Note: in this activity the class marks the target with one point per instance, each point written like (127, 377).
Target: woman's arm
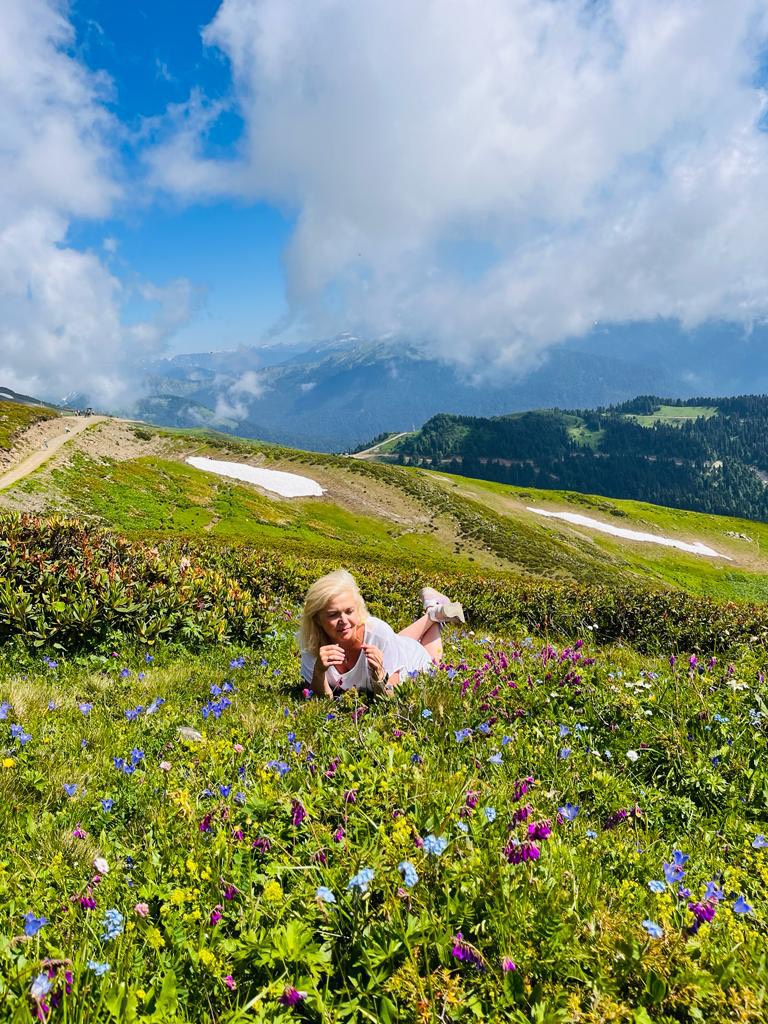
(320, 685)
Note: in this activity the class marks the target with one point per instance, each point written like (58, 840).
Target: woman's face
(340, 618)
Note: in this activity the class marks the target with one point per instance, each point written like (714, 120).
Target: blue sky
(229, 250)
(204, 174)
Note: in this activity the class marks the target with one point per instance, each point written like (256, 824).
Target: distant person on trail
(345, 648)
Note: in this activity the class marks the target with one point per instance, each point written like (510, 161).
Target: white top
(401, 654)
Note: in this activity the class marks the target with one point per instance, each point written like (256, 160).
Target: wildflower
(590, 834)
(568, 812)
(361, 880)
(70, 788)
(520, 815)
(465, 952)
(291, 996)
(124, 673)
(78, 832)
(324, 893)
(112, 924)
(490, 814)
(229, 981)
(281, 767)
(656, 886)
(462, 734)
(98, 969)
(85, 708)
(298, 813)
(540, 829)
(40, 987)
(522, 787)
(408, 871)
(704, 911)
(165, 766)
(273, 892)
(350, 796)
(142, 909)
(759, 843)
(435, 845)
(32, 924)
(615, 818)
(426, 713)
(463, 827)
(484, 728)
(495, 758)
(338, 835)
(262, 844)
(51, 706)
(632, 755)
(237, 662)
(654, 930)
(741, 906)
(216, 914)
(101, 865)
(417, 759)
(507, 964)
(565, 753)
(519, 853)
(225, 791)
(8, 762)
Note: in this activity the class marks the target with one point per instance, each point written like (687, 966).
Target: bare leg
(427, 633)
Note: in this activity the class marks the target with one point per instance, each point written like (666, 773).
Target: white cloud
(60, 308)
(603, 159)
(232, 399)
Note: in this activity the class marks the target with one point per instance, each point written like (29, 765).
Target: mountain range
(333, 395)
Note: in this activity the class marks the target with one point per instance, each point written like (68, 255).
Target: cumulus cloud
(61, 328)
(233, 401)
(497, 178)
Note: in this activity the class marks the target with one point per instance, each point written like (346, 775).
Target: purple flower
(522, 787)
(86, 707)
(298, 813)
(291, 996)
(540, 829)
(261, 844)
(519, 853)
(508, 964)
(703, 912)
(565, 753)
(462, 734)
(759, 843)
(464, 952)
(70, 788)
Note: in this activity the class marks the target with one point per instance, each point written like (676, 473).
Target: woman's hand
(332, 655)
(375, 660)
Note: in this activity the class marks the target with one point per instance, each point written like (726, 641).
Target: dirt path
(370, 453)
(59, 431)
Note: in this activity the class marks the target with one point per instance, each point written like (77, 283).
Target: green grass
(674, 414)
(16, 418)
(224, 927)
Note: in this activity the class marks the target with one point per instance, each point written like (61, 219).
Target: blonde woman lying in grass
(344, 648)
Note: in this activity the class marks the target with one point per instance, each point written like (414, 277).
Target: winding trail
(70, 427)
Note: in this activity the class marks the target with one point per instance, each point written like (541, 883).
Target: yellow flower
(191, 866)
(208, 960)
(8, 762)
(178, 896)
(273, 892)
(155, 938)
(141, 993)
(205, 874)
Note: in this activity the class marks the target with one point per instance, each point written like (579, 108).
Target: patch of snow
(288, 485)
(618, 531)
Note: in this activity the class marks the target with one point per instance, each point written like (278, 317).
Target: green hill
(705, 454)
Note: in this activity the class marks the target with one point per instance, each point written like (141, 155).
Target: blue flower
(563, 731)
(361, 880)
(713, 892)
(281, 767)
(657, 887)
(237, 662)
(409, 873)
(51, 706)
(505, 740)
(124, 673)
(741, 906)
(324, 893)
(32, 924)
(93, 965)
(484, 728)
(495, 758)
(759, 843)
(653, 929)
(112, 924)
(590, 834)
(581, 728)
(85, 707)
(40, 987)
(149, 658)
(436, 845)
(106, 803)
(5, 707)
(680, 858)
(70, 788)
(462, 826)
(225, 790)
(133, 713)
(156, 704)
(426, 713)
(462, 734)
(490, 814)
(565, 752)
(569, 811)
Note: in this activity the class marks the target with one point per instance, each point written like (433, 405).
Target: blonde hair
(311, 635)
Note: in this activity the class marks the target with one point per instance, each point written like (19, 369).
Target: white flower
(632, 755)
(101, 865)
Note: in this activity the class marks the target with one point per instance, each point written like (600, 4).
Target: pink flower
(165, 766)
(229, 981)
(216, 914)
(142, 909)
(78, 832)
(238, 748)
(508, 965)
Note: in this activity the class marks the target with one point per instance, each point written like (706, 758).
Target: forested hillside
(706, 454)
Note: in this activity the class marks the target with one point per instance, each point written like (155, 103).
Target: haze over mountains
(335, 394)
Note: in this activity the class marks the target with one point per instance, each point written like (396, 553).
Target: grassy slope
(16, 418)
(402, 515)
(674, 414)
